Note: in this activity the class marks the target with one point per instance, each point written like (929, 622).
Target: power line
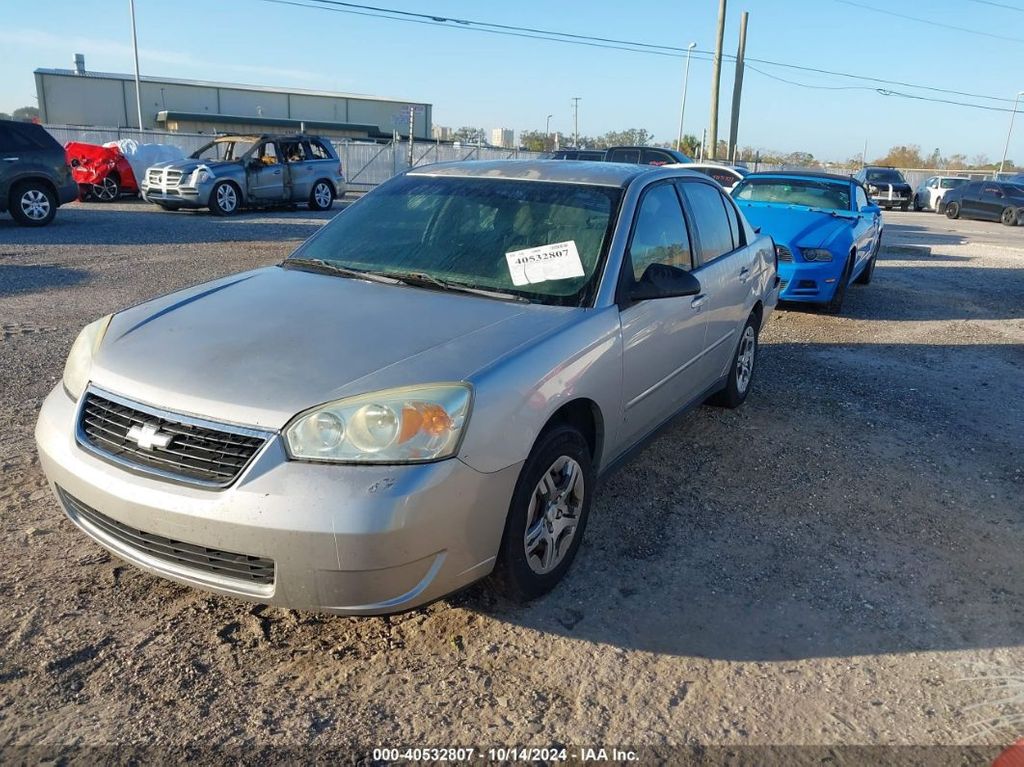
(998, 5)
(932, 23)
(359, 9)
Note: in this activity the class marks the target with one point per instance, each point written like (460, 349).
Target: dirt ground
(839, 562)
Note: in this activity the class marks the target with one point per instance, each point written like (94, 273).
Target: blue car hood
(796, 224)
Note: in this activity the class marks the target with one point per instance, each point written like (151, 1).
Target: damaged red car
(101, 172)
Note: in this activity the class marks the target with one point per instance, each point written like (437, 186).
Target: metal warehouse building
(80, 98)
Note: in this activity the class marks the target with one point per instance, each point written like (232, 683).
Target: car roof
(263, 136)
(614, 174)
(801, 174)
(740, 170)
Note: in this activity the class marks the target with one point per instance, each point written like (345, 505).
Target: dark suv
(641, 155)
(34, 176)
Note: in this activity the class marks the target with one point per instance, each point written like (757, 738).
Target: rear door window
(710, 216)
(624, 155)
(318, 150)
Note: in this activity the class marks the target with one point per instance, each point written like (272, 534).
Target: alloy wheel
(227, 199)
(553, 515)
(745, 359)
(322, 195)
(35, 204)
(106, 190)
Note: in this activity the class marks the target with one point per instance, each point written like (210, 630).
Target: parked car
(232, 172)
(827, 232)
(424, 392)
(636, 155)
(929, 192)
(102, 173)
(886, 186)
(34, 177)
(986, 200)
(726, 175)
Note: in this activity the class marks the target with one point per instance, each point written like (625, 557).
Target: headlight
(79, 364)
(199, 176)
(816, 254)
(409, 425)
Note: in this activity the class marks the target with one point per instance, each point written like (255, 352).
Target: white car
(929, 193)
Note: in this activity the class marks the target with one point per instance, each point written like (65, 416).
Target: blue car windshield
(541, 241)
(813, 193)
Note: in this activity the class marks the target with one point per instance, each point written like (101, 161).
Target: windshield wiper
(423, 280)
(326, 267)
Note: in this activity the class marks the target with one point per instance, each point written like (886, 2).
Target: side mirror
(254, 163)
(664, 281)
(870, 210)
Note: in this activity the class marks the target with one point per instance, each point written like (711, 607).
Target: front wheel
(904, 206)
(953, 210)
(917, 204)
(224, 199)
(108, 190)
(1009, 217)
(741, 374)
(547, 515)
(836, 304)
(322, 196)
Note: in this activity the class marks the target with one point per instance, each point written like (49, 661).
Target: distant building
(443, 133)
(81, 98)
(503, 137)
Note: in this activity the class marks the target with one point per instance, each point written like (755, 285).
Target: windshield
(885, 176)
(222, 150)
(952, 183)
(542, 241)
(813, 193)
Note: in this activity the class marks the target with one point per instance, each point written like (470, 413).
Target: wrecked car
(101, 172)
(232, 172)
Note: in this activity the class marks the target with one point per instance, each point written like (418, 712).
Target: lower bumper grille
(225, 564)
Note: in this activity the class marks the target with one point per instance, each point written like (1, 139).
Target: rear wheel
(917, 204)
(107, 190)
(322, 196)
(953, 210)
(169, 206)
(904, 205)
(1009, 217)
(836, 304)
(547, 515)
(741, 374)
(224, 199)
(32, 203)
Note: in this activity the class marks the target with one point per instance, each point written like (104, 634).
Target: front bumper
(812, 282)
(356, 540)
(183, 196)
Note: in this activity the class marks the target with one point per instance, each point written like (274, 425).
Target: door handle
(744, 273)
(277, 173)
(698, 302)
(11, 159)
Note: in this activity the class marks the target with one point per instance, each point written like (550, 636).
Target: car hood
(886, 184)
(188, 165)
(258, 347)
(796, 224)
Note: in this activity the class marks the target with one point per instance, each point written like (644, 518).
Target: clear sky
(488, 80)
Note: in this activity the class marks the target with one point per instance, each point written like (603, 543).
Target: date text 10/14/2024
(505, 754)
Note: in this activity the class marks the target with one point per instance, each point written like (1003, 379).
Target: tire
(938, 206)
(904, 206)
(917, 204)
(169, 206)
(524, 570)
(741, 373)
(953, 209)
(84, 192)
(321, 197)
(224, 199)
(32, 203)
(836, 304)
(1009, 217)
(864, 278)
(108, 190)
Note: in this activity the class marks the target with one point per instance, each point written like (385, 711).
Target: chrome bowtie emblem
(149, 436)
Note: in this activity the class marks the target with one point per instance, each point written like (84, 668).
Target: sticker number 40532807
(558, 261)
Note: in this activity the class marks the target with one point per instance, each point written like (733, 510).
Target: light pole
(135, 48)
(682, 106)
(1010, 131)
(576, 121)
(547, 131)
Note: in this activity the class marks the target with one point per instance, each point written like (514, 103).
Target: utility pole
(135, 48)
(412, 127)
(547, 131)
(737, 88)
(1009, 133)
(576, 121)
(864, 154)
(716, 78)
(682, 105)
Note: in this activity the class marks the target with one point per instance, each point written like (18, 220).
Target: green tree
(628, 137)
(25, 114)
(903, 156)
(468, 134)
(535, 141)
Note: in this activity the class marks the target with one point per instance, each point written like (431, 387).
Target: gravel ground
(839, 562)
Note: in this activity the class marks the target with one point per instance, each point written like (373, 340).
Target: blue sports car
(827, 232)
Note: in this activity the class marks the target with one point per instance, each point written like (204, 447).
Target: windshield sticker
(558, 261)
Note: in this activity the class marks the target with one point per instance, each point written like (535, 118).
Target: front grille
(196, 452)
(163, 177)
(784, 254)
(226, 564)
(783, 284)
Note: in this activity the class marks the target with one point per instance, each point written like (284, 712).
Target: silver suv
(251, 171)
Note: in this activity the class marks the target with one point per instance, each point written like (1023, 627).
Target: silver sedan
(423, 394)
